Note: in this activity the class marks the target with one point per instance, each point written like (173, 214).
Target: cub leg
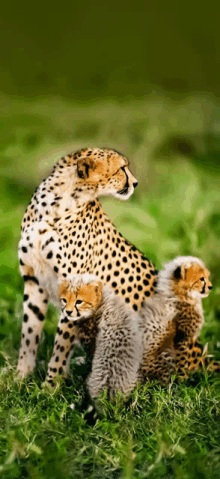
(159, 362)
(116, 362)
(192, 356)
(35, 308)
(159, 365)
(65, 341)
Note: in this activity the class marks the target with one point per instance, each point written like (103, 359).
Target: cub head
(191, 278)
(185, 277)
(80, 297)
(93, 172)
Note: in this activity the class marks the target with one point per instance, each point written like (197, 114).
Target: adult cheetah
(65, 231)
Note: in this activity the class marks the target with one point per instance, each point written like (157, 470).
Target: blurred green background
(141, 78)
(89, 50)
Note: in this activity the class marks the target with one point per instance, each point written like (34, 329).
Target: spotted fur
(169, 324)
(174, 319)
(65, 231)
(107, 329)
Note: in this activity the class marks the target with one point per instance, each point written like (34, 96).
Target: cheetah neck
(61, 195)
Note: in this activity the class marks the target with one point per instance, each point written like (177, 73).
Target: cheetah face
(82, 301)
(104, 172)
(192, 280)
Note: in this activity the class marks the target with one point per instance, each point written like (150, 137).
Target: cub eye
(63, 301)
(80, 174)
(202, 279)
(78, 301)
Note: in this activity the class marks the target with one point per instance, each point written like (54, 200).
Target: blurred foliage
(84, 50)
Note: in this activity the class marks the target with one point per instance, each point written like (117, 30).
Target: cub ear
(83, 167)
(98, 289)
(177, 273)
(181, 272)
(63, 288)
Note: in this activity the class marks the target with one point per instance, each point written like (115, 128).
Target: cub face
(192, 280)
(101, 172)
(81, 301)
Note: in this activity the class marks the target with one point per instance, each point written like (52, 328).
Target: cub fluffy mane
(76, 280)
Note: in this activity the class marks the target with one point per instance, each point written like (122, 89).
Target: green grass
(174, 150)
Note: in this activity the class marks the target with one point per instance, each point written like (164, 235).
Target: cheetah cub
(107, 329)
(174, 319)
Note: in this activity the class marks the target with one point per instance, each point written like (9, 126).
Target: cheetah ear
(98, 289)
(177, 273)
(83, 167)
(180, 272)
(63, 288)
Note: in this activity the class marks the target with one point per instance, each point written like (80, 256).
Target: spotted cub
(174, 318)
(107, 329)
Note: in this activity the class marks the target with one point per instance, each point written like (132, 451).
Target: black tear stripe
(127, 182)
(31, 278)
(203, 289)
(124, 190)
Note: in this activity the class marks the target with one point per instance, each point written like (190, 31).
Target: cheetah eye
(202, 279)
(78, 301)
(63, 301)
(80, 174)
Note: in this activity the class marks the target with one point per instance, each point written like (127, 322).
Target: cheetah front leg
(34, 307)
(65, 341)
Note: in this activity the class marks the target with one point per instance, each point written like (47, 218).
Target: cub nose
(68, 312)
(135, 184)
(210, 287)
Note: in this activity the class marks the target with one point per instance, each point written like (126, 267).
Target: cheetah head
(192, 279)
(96, 172)
(80, 296)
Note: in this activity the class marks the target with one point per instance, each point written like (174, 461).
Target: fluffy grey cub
(108, 329)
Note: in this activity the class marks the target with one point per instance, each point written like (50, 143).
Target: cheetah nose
(68, 312)
(135, 184)
(210, 287)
